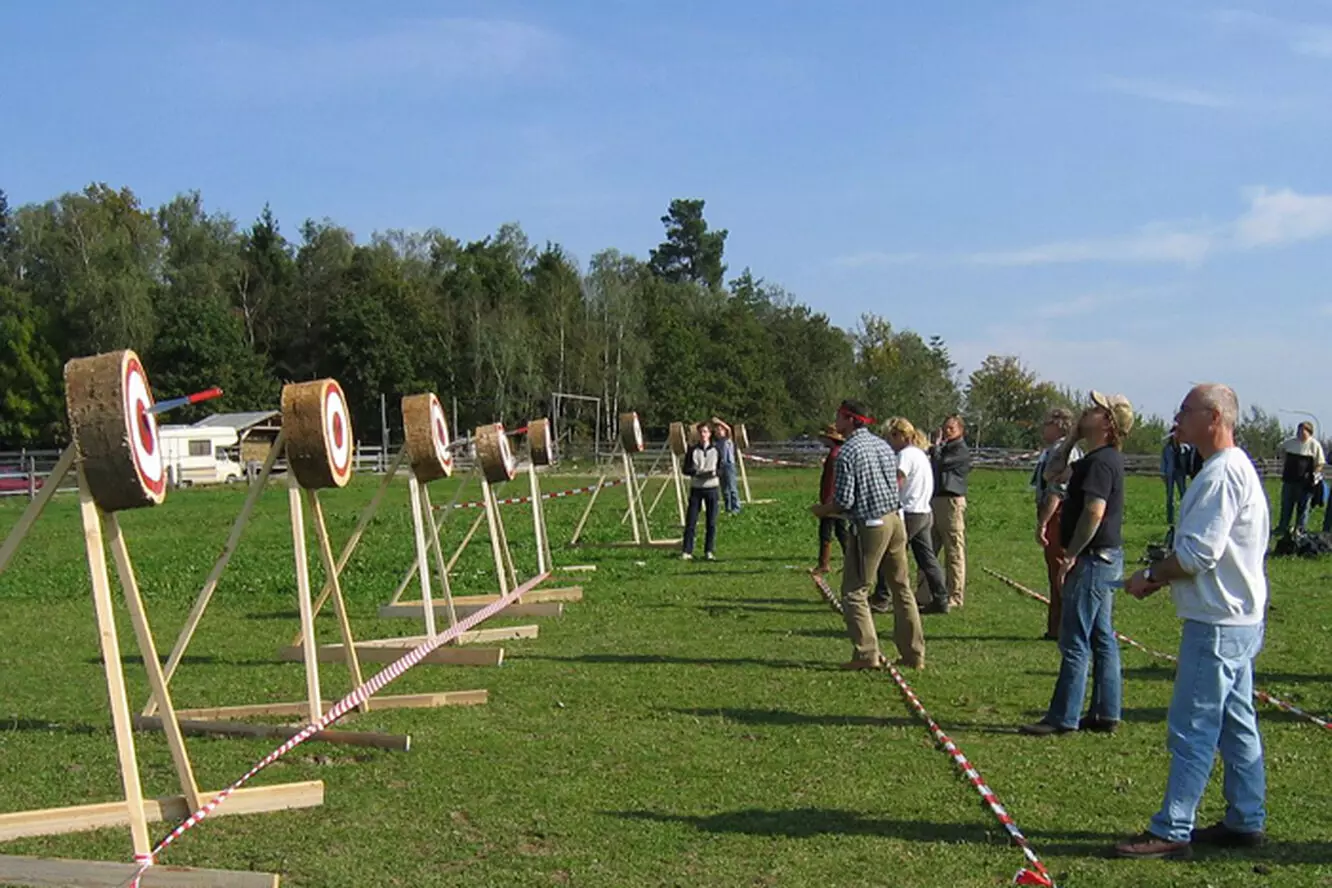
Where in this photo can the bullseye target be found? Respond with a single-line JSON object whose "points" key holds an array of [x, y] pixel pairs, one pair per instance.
{"points": [[678, 439], [541, 440], [631, 433], [427, 435], [317, 422], [108, 400], [492, 449]]}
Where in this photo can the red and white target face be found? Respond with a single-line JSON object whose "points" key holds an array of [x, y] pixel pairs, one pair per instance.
{"points": [[142, 427], [506, 453], [337, 430], [439, 432], [638, 433]]}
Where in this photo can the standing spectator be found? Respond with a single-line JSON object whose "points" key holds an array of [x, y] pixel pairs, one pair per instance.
{"points": [[833, 526], [726, 465], [915, 479], [1050, 493], [1301, 470], [865, 489], [952, 463], [1177, 467], [1090, 530], [700, 464], [1217, 580]]}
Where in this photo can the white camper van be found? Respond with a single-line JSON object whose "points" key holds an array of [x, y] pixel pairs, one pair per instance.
{"points": [[199, 455]]}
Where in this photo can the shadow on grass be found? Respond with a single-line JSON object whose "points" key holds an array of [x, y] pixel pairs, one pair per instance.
{"points": [[803, 601], [39, 724], [804, 823], [785, 717], [187, 660], [668, 660]]}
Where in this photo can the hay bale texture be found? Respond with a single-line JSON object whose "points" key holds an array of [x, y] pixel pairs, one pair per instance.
{"points": [[678, 439], [426, 433], [318, 428], [631, 433], [541, 441], [107, 398], [492, 449]]}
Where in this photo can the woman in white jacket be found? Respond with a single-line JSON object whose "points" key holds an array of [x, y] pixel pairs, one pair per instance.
{"points": [[915, 479]]}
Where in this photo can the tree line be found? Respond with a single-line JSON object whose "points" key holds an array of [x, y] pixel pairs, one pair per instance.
{"points": [[494, 326]]}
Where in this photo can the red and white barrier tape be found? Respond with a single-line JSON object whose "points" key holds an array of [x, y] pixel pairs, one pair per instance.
{"points": [[780, 462], [337, 711], [1037, 874], [519, 500], [1261, 694]]}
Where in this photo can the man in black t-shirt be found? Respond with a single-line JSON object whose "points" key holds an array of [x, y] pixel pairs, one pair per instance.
{"points": [[1090, 528]]}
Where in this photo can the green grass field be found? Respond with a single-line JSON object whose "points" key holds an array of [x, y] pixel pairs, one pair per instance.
{"points": [[684, 725]]}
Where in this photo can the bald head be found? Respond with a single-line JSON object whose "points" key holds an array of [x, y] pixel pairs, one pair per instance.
{"points": [[1222, 399]]}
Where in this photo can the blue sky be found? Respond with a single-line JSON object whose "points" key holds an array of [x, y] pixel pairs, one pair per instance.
{"points": [[1129, 196]]}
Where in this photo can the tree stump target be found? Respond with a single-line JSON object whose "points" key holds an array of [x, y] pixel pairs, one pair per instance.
{"points": [[108, 400], [631, 433], [741, 436], [318, 430], [427, 437], [678, 439], [541, 441], [492, 449]]}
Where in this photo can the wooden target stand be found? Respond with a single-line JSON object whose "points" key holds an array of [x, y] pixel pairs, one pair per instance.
{"points": [[677, 444], [741, 445], [318, 457], [118, 461], [631, 442], [496, 465]]}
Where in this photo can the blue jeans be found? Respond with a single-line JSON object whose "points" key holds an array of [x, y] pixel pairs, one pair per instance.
{"points": [[1087, 633], [1212, 709], [1295, 497], [1173, 484], [730, 489]]}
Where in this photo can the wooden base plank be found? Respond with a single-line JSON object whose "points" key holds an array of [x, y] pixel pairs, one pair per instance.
{"points": [[473, 636], [80, 818], [441, 656], [44, 871], [518, 609], [651, 544], [576, 568], [192, 727], [400, 701]]}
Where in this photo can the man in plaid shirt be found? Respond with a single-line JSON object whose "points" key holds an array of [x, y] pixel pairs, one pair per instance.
{"points": [[865, 492]]}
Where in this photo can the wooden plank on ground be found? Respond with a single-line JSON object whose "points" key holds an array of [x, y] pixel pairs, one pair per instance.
{"points": [[44, 871], [440, 656]]}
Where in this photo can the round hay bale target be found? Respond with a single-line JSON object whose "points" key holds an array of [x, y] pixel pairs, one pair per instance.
{"points": [[741, 437], [427, 437], [318, 429], [631, 433], [108, 398], [677, 439], [541, 441], [492, 449]]}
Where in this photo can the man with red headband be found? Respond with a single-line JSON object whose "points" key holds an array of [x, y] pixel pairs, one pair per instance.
{"points": [[865, 491]]}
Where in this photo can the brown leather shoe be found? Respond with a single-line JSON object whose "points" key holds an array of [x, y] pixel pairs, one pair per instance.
{"points": [[908, 664], [1222, 836], [878, 662], [1148, 846]]}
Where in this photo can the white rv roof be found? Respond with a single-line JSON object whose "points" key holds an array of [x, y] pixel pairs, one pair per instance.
{"points": [[237, 421]]}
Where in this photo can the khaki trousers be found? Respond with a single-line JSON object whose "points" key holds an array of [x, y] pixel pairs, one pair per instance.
{"points": [[872, 552], [950, 538]]}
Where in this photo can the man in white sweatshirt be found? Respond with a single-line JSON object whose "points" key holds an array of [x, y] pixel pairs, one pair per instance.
{"points": [[1217, 580]]}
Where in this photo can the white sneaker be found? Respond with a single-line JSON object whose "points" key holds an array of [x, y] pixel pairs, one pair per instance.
{"points": [[710, 556], [686, 557]]}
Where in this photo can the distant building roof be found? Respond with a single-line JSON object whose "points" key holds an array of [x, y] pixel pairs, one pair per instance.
{"points": [[238, 421]]}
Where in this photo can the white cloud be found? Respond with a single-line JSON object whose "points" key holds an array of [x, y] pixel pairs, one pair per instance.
{"points": [[1278, 217], [425, 54], [1302, 38], [1168, 93], [1155, 243], [1091, 303], [875, 259]]}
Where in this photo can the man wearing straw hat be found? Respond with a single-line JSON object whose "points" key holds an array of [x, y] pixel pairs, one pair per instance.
{"points": [[865, 490], [833, 526]]}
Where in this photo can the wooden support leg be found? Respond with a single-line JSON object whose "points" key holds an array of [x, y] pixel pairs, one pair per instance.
{"points": [[462, 547], [303, 597], [215, 575], [334, 581], [504, 546], [35, 506], [438, 552], [678, 478], [115, 675], [422, 554], [744, 475], [536, 517], [129, 584], [492, 521], [592, 501], [630, 487]]}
